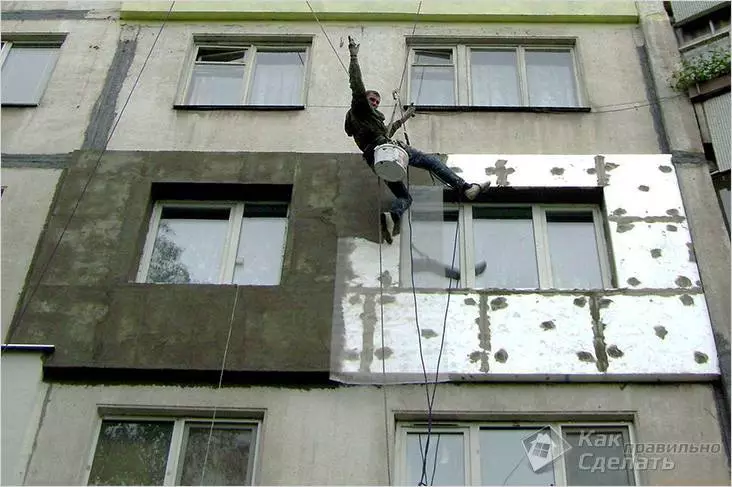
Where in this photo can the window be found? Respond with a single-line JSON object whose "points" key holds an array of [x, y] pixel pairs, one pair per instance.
{"points": [[721, 182], [515, 454], [509, 246], [265, 75], [26, 69], [155, 451], [706, 26], [215, 243], [505, 76]]}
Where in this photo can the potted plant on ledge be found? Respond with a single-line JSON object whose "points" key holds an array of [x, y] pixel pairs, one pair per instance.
{"points": [[704, 75]]}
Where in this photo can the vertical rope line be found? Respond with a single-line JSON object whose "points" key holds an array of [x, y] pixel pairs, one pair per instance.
{"points": [[221, 380], [383, 356], [326, 36]]}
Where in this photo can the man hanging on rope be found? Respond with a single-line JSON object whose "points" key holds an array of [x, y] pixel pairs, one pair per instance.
{"points": [[365, 123]]}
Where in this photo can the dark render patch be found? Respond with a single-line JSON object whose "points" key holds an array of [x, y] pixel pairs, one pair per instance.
{"points": [[475, 356], [352, 355], [557, 171], [501, 356], [387, 299], [687, 300], [548, 325], [683, 281], [614, 351], [671, 228], [701, 358], [498, 303], [470, 301], [581, 302], [643, 188], [624, 227], [585, 357], [619, 212], [633, 281], [665, 169], [382, 353], [661, 331], [656, 253], [427, 333]]}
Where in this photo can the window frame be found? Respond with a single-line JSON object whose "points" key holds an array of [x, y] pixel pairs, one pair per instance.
{"points": [[463, 70], [227, 264], [252, 48], [471, 442], [712, 31], [51, 41], [455, 66], [176, 449], [466, 241]]}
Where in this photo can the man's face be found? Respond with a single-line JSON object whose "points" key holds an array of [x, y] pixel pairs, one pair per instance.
{"points": [[374, 100]]}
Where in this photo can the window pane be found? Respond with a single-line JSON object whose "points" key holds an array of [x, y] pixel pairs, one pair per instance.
{"points": [[189, 245], [504, 461], [131, 453], [261, 250], [504, 241], [216, 84], [25, 73], [432, 85], [436, 261], [573, 250], [494, 78], [590, 444], [433, 56], [550, 78], [444, 463], [221, 54], [229, 452], [278, 78]]}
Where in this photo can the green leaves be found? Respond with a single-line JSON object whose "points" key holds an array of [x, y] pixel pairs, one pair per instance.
{"points": [[707, 66]]}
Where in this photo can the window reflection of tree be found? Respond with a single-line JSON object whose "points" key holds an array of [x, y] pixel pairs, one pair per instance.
{"points": [[165, 265]]}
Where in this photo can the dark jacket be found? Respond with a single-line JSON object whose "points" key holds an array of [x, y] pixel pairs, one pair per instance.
{"points": [[363, 122]]}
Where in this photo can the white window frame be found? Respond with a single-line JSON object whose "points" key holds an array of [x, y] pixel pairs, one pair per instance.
{"points": [[541, 243], [249, 64], [228, 255], [462, 63], [437, 47], [177, 450], [471, 442], [43, 42]]}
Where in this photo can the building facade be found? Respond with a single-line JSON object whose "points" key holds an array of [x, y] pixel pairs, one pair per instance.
{"points": [[209, 300]]}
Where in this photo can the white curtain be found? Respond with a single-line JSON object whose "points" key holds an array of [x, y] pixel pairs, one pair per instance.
{"points": [[494, 78], [216, 84], [551, 79], [278, 78]]}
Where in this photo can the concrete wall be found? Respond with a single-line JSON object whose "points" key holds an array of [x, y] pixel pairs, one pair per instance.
{"points": [[67, 104], [621, 120], [23, 396], [25, 203], [653, 325], [336, 436]]}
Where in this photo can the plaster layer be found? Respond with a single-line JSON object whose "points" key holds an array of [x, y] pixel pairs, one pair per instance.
{"points": [[653, 323]]}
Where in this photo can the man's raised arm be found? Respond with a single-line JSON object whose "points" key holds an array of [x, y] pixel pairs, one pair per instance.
{"points": [[358, 90]]}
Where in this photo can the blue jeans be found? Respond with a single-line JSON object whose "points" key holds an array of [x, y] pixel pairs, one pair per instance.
{"points": [[419, 159]]}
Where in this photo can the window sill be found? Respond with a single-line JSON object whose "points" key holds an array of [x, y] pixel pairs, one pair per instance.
{"points": [[264, 108], [10, 104], [483, 108]]}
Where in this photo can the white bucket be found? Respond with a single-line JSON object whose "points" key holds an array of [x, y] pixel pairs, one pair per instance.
{"points": [[390, 162]]}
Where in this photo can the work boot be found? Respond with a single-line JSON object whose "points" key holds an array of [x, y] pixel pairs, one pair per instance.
{"points": [[472, 191]]}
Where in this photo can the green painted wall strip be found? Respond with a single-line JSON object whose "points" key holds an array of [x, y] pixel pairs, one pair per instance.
{"points": [[517, 11]]}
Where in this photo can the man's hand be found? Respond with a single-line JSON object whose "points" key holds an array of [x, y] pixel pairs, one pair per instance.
{"points": [[352, 46], [410, 112]]}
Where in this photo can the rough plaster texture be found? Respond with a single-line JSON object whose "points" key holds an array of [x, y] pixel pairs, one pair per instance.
{"points": [[653, 325], [90, 308], [23, 395], [305, 429], [65, 108], [25, 203], [620, 121]]}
